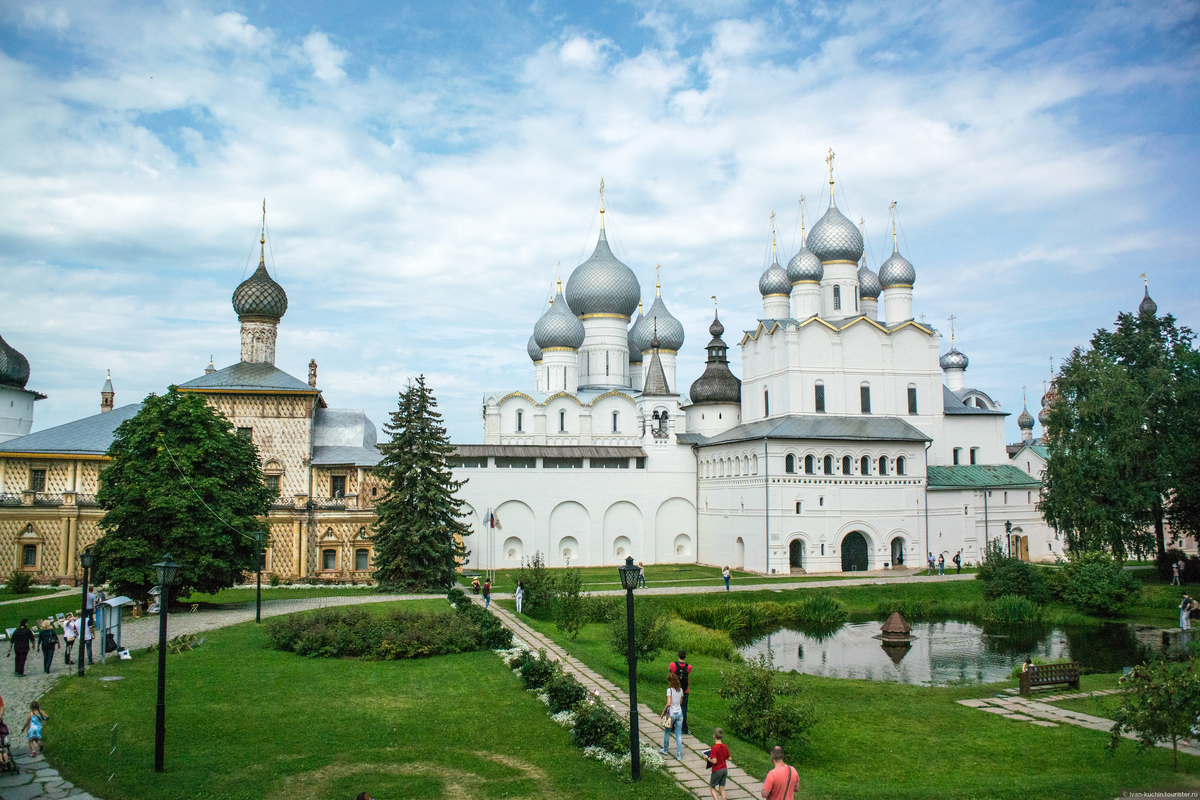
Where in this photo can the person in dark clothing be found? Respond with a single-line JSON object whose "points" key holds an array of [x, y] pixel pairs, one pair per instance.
{"points": [[22, 641], [684, 671], [958, 562], [47, 640]]}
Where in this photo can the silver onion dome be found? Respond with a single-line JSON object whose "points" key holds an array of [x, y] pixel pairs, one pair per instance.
{"points": [[603, 285], [657, 319], [835, 238], [14, 367], [535, 352], [953, 359], [868, 284], [1147, 306], [635, 355], [805, 267], [897, 271], [260, 296], [774, 281], [558, 327], [1025, 421]]}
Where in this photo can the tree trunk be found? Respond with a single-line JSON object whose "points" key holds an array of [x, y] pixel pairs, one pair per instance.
{"points": [[1159, 535]]}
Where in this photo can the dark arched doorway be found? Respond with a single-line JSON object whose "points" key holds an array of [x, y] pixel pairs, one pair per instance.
{"points": [[854, 552], [897, 552], [795, 555]]}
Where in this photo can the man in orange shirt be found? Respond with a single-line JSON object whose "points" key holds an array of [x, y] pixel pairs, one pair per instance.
{"points": [[781, 780]]}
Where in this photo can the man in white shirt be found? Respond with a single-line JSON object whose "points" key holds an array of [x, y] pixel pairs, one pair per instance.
{"points": [[87, 639], [70, 634]]}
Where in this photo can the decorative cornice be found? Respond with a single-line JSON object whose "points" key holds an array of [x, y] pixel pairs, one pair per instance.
{"points": [[604, 316]]}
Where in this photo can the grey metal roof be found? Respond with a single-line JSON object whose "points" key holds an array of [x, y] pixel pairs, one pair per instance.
{"points": [[247, 376], [954, 405], [953, 359], [260, 296], [558, 327], [805, 266], [535, 352], [774, 280], [1025, 421], [351, 456], [90, 436], [657, 319], [897, 271], [835, 238], [14, 367], [603, 285], [656, 384], [635, 355], [717, 384], [343, 427], [823, 426], [868, 284], [547, 451], [1147, 306], [691, 438]]}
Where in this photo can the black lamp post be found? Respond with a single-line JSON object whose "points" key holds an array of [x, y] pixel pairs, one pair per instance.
{"points": [[1008, 536], [165, 570], [260, 553], [629, 580], [87, 560]]}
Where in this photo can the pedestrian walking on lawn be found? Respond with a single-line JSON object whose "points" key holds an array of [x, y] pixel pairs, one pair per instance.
{"points": [[673, 711], [33, 723], [781, 780], [487, 593], [1185, 622], [47, 640], [1175, 574], [717, 758], [958, 563], [22, 640], [725, 573], [682, 669], [70, 633], [941, 564], [930, 560], [519, 595]]}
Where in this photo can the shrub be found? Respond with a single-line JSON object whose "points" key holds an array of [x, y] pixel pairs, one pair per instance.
{"points": [[602, 608], [1097, 584], [822, 608], [650, 632], [1013, 610], [1002, 575], [763, 706], [341, 632], [1167, 560], [273, 579], [565, 693], [569, 612], [521, 660], [1161, 703], [597, 725], [20, 582], [911, 608], [537, 672], [541, 587], [698, 640], [492, 633], [56, 582]]}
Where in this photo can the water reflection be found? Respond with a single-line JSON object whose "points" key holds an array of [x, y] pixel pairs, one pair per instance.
{"points": [[946, 653]]}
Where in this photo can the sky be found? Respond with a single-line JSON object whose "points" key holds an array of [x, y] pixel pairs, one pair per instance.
{"points": [[429, 169]]}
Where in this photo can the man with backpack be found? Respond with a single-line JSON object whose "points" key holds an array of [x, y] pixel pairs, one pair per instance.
{"points": [[781, 780], [684, 671], [958, 563]]}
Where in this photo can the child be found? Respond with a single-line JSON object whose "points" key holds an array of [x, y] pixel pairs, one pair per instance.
{"points": [[34, 723], [717, 757]]}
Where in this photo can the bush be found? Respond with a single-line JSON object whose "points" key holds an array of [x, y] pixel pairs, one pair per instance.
{"points": [[273, 579], [650, 632], [20, 582], [537, 672], [492, 633], [540, 587], [569, 612], [1002, 575], [602, 608], [763, 706], [698, 640], [597, 725], [565, 693], [56, 582], [822, 609], [1097, 584], [1013, 610], [341, 632]]}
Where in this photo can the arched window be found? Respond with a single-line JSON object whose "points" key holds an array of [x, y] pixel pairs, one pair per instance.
{"points": [[562, 422], [614, 422], [819, 397], [789, 464], [754, 465], [837, 298], [900, 465], [809, 465], [864, 395], [766, 403], [845, 465], [828, 465], [520, 417], [864, 466], [883, 465]]}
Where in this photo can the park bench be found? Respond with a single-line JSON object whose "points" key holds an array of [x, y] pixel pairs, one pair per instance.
{"points": [[1039, 675]]}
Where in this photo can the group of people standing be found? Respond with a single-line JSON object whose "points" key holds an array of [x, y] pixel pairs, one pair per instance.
{"points": [[24, 639], [940, 563]]}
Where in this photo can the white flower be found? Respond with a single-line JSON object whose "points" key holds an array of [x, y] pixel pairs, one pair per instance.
{"points": [[564, 718]]}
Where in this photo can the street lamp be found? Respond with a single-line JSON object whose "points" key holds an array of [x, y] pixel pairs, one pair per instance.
{"points": [[87, 560], [1008, 535], [165, 571], [260, 539], [629, 581]]}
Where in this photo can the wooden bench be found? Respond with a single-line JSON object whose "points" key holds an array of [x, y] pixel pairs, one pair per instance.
{"points": [[1039, 675]]}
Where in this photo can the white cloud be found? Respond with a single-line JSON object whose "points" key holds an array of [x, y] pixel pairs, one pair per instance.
{"points": [[326, 58]]}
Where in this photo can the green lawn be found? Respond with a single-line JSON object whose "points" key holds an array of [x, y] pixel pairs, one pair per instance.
{"points": [[11, 615], [240, 595], [247, 722], [601, 578], [878, 739]]}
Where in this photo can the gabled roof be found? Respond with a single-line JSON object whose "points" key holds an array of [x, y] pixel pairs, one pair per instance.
{"points": [[1038, 449], [980, 476], [246, 376], [331, 455], [822, 426], [769, 326], [90, 436], [954, 405]]}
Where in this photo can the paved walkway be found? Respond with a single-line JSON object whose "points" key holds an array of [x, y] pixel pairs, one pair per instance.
{"points": [[692, 771]]}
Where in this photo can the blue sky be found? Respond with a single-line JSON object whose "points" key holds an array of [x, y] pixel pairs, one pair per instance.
{"points": [[427, 168]]}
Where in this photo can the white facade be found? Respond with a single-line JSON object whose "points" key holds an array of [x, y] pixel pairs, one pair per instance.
{"points": [[16, 412]]}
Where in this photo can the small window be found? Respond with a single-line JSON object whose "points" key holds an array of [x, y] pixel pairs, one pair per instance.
{"points": [[609, 463], [515, 463], [974, 452], [828, 464], [837, 298], [1028, 468], [641, 462], [462, 462], [29, 555], [606, 362], [822, 549], [912, 399], [789, 464], [564, 379], [901, 463], [864, 466], [37, 480], [799, 506], [337, 486], [273, 484], [1029, 497], [964, 511], [864, 395], [819, 391], [375, 489], [957, 455], [883, 465], [615, 428], [766, 403], [520, 420], [821, 502], [329, 560], [246, 433], [562, 422], [362, 560], [809, 465], [846, 464], [1006, 498], [562, 463]]}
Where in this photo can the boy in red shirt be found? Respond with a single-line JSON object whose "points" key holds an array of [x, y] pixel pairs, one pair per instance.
{"points": [[718, 754], [781, 780]]}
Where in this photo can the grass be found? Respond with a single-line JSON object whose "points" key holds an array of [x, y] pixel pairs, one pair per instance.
{"points": [[601, 578], [1104, 706], [246, 722], [871, 734], [241, 595], [11, 615]]}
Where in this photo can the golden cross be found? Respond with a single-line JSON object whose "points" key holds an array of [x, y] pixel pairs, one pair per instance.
{"points": [[829, 161], [1145, 282], [714, 299], [772, 231], [952, 318], [801, 220]]}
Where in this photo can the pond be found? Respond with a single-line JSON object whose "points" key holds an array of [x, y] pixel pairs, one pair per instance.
{"points": [[949, 653]]}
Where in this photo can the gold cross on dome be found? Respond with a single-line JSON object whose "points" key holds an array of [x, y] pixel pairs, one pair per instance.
{"points": [[829, 160]]}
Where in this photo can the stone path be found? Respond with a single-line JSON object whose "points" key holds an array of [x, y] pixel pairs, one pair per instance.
{"points": [[1038, 712], [692, 771]]}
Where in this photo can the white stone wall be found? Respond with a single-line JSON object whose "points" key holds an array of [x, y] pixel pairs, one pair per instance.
{"points": [[16, 412]]}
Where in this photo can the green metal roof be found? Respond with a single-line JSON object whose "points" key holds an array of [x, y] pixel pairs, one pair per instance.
{"points": [[980, 476]]}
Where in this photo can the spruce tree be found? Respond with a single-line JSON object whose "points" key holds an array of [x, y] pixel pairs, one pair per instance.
{"points": [[418, 534]]}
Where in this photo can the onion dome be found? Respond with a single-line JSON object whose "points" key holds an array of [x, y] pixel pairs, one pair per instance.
{"points": [[535, 352], [1148, 306], [716, 329], [635, 355], [558, 327], [670, 330], [835, 238], [1044, 416], [259, 295], [14, 367], [805, 267], [717, 384], [897, 271], [774, 281], [868, 284], [953, 359], [1025, 421], [603, 285]]}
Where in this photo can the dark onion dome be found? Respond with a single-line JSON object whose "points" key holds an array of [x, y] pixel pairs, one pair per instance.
{"points": [[835, 238], [717, 384], [558, 327], [897, 271], [1025, 421], [260, 296], [868, 284], [670, 330], [774, 281], [535, 352], [953, 359], [1044, 416], [603, 285], [14, 367], [1147, 306], [635, 355], [805, 267]]}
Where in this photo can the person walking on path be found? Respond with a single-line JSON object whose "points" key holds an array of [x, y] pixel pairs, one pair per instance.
{"points": [[519, 595], [1185, 622], [781, 780], [487, 593], [930, 560], [86, 637], [1175, 574], [641, 575], [941, 564], [22, 641], [683, 670], [33, 723], [90, 606], [717, 757], [958, 563], [725, 573], [674, 713], [47, 640], [70, 634]]}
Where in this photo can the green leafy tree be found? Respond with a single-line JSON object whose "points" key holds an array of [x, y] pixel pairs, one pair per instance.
{"points": [[570, 612], [1098, 584], [1160, 704], [763, 705], [651, 632], [181, 481], [418, 536], [540, 586], [1124, 453]]}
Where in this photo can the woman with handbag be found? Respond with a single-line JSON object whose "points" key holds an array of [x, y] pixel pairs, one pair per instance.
{"points": [[672, 716], [70, 631]]}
